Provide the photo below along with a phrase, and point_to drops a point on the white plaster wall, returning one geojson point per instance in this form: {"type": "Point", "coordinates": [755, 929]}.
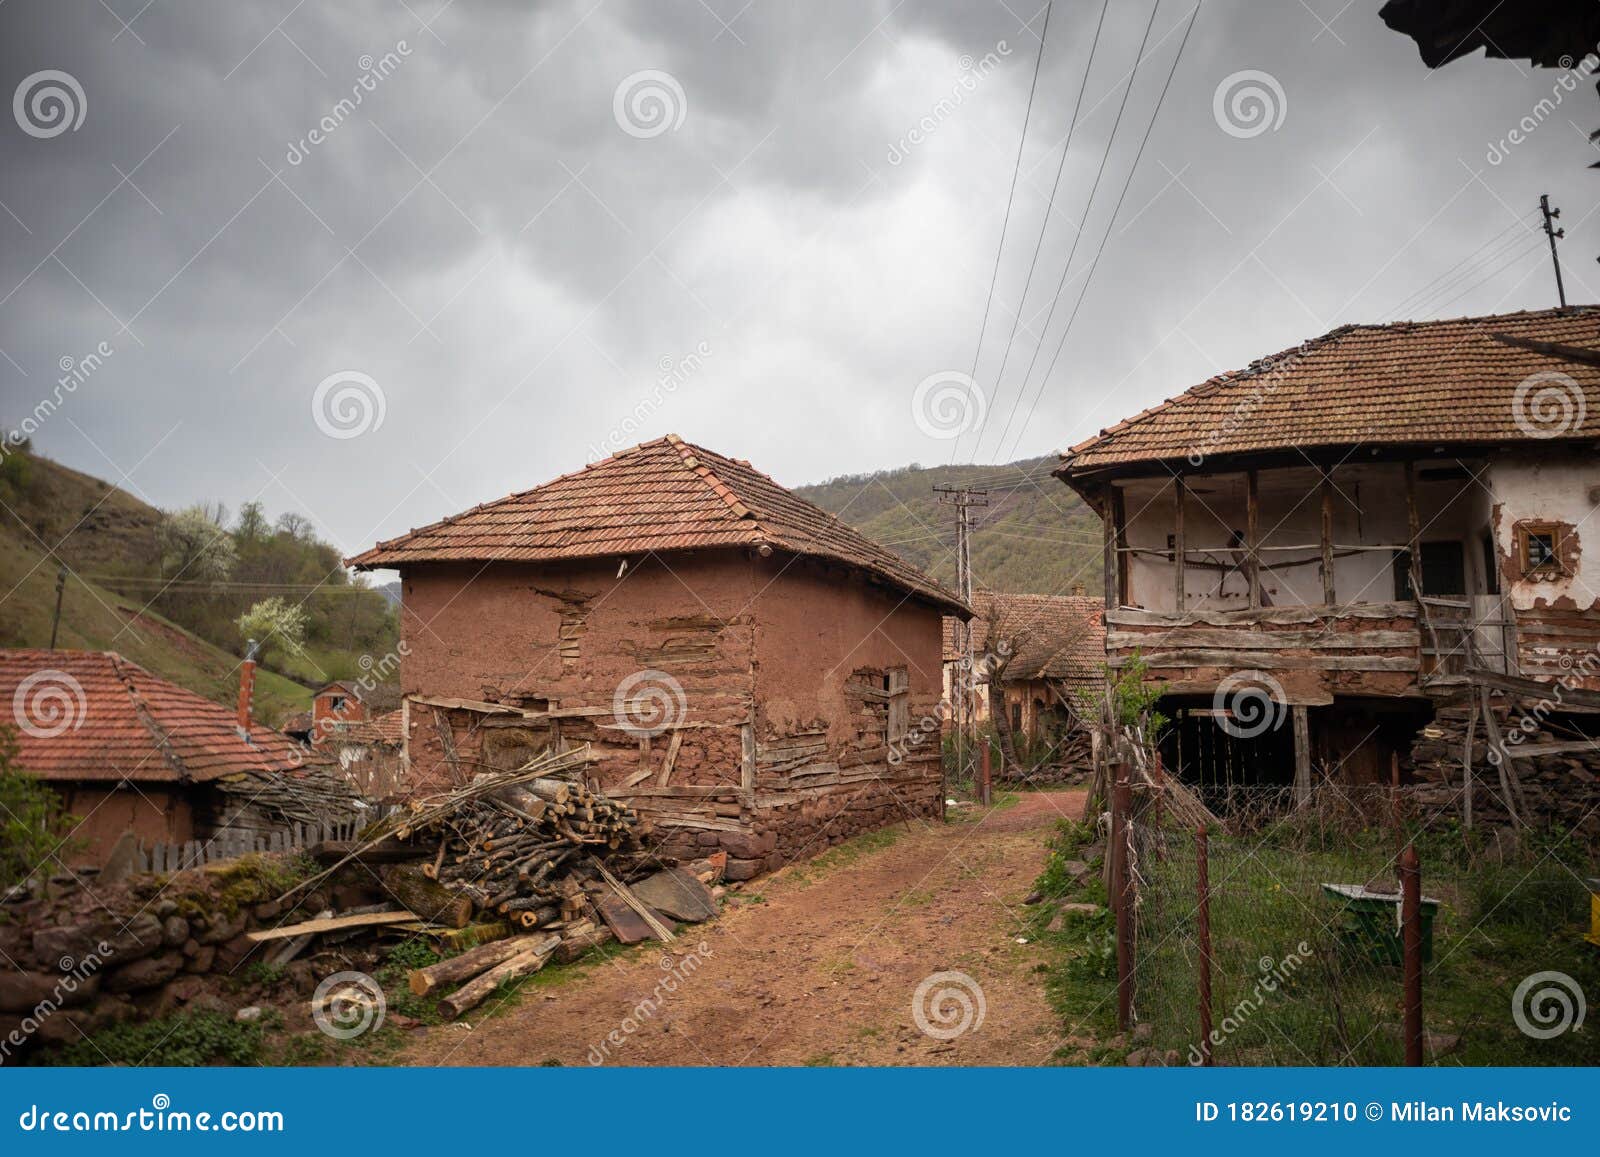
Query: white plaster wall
{"type": "Point", "coordinates": [1556, 484]}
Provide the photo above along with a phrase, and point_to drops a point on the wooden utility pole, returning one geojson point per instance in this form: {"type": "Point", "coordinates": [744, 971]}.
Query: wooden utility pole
{"type": "Point", "coordinates": [1553, 234]}
{"type": "Point", "coordinates": [61, 586]}
{"type": "Point", "coordinates": [963, 498]}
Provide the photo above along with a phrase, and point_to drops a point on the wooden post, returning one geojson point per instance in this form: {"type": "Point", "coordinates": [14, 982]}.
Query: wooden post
{"type": "Point", "coordinates": [1328, 595]}
{"type": "Point", "coordinates": [1252, 530]}
{"type": "Point", "coordinates": [1411, 938]}
{"type": "Point", "coordinates": [1110, 562]}
{"type": "Point", "coordinates": [985, 773]}
{"type": "Point", "coordinates": [1466, 767]}
{"type": "Point", "coordinates": [1202, 859]}
{"type": "Point", "coordinates": [1302, 756]}
{"type": "Point", "coordinates": [1122, 892]}
{"type": "Point", "coordinates": [1414, 521]}
{"type": "Point", "coordinates": [1179, 554]}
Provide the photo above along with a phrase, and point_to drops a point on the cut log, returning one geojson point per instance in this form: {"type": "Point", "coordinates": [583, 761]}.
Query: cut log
{"type": "Point", "coordinates": [429, 899]}
{"type": "Point", "coordinates": [476, 990]}
{"type": "Point", "coordinates": [470, 963]}
{"type": "Point", "coordinates": [575, 944]}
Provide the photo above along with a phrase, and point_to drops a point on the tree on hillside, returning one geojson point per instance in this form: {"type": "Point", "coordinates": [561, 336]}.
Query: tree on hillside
{"type": "Point", "coordinates": [194, 545]}
{"type": "Point", "coordinates": [252, 525]}
{"type": "Point", "coordinates": [276, 625]}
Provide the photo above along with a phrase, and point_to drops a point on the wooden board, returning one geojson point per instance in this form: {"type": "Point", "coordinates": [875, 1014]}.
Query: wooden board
{"type": "Point", "coordinates": [625, 924]}
{"type": "Point", "coordinates": [333, 924]}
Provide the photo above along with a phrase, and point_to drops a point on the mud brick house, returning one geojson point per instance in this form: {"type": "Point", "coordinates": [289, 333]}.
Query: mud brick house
{"type": "Point", "coordinates": [1375, 544]}
{"type": "Point", "coordinates": [1058, 655]}
{"type": "Point", "coordinates": [739, 659]}
{"type": "Point", "coordinates": [130, 752]}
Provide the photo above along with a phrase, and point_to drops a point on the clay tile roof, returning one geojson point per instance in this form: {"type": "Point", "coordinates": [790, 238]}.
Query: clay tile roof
{"type": "Point", "coordinates": [664, 495]}
{"type": "Point", "coordinates": [93, 716]}
{"type": "Point", "coordinates": [1433, 382]}
{"type": "Point", "coordinates": [385, 729]}
{"type": "Point", "coordinates": [1058, 636]}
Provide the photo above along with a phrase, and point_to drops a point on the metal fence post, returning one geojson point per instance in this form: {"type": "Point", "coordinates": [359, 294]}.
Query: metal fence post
{"type": "Point", "coordinates": [984, 776]}
{"type": "Point", "coordinates": [1122, 892]}
{"type": "Point", "coordinates": [1203, 926]}
{"type": "Point", "coordinates": [1411, 933]}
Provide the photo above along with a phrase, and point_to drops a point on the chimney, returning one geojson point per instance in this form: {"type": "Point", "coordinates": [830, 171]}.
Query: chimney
{"type": "Point", "coordinates": [1077, 588]}
{"type": "Point", "coordinates": [247, 685]}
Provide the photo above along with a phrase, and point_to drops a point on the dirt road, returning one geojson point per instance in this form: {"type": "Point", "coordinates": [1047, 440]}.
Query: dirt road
{"type": "Point", "coordinates": [816, 965]}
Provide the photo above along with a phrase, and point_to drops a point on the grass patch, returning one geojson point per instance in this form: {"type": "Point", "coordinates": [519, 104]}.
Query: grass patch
{"type": "Point", "coordinates": [844, 854]}
{"type": "Point", "coordinates": [186, 1040]}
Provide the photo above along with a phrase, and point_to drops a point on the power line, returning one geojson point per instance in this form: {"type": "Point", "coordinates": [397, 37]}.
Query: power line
{"type": "Point", "coordinates": [1005, 223]}
{"type": "Point", "coordinates": [1475, 277]}
{"type": "Point", "coordinates": [1044, 225]}
{"type": "Point", "coordinates": [1115, 212]}
{"type": "Point", "coordinates": [1066, 269]}
{"type": "Point", "coordinates": [1424, 292]}
{"type": "Point", "coordinates": [1534, 248]}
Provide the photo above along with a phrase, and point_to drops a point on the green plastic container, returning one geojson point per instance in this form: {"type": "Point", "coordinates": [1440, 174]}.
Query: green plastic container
{"type": "Point", "coordinates": [1370, 925]}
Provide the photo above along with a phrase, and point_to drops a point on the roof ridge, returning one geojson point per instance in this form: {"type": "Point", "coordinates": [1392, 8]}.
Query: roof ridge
{"type": "Point", "coordinates": [690, 454]}
{"type": "Point", "coordinates": [147, 717]}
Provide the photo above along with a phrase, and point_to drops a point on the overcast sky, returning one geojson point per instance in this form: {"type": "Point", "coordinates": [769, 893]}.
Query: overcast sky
{"type": "Point", "coordinates": [497, 249]}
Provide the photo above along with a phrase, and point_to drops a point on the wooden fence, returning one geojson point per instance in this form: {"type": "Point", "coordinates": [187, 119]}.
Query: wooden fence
{"type": "Point", "coordinates": [232, 843]}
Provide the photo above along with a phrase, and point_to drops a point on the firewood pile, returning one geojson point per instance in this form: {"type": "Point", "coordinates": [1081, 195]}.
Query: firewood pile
{"type": "Point", "coordinates": [528, 866]}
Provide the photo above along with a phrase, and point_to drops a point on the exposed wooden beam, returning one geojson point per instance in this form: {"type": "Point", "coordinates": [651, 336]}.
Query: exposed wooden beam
{"type": "Point", "coordinates": [1414, 525]}
{"type": "Point", "coordinates": [1252, 531]}
{"type": "Point", "coordinates": [1302, 754]}
{"type": "Point", "coordinates": [1179, 555]}
{"type": "Point", "coordinates": [1328, 592]}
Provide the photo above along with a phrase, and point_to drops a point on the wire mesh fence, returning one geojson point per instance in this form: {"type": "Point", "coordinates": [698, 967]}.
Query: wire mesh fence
{"type": "Point", "coordinates": [1306, 939]}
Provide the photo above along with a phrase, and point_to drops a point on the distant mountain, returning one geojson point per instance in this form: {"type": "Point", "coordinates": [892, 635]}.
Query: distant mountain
{"type": "Point", "coordinates": [1035, 537]}
{"type": "Point", "coordinates": [390, 591]}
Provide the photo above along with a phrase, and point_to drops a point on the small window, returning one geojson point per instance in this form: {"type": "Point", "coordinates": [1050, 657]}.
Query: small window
{"type": "Point", "coordinates": [337, 704]}
{"type": "Point", "coordinates": [1016, 716]}
{"type": "Point", "coordinates": [1539, 549]}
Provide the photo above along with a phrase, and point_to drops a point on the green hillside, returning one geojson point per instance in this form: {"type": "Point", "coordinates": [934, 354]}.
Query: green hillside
{"type": "Point", "coordinates": [124, 595]}
{"type": "Point", "coordinates": [1035, 537]}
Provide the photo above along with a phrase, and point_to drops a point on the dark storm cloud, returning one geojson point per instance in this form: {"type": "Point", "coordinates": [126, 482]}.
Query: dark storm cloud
{"type": "Point", "coordinates": [483, 239]}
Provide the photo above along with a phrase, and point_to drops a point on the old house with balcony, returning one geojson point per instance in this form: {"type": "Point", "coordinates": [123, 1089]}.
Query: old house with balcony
{"type": "Point", "coordinates": [1370, 552]}
{"type": "Point", "coordinates": [1059, 652]}
{"type": "Point", "coordinates": [751, 672]}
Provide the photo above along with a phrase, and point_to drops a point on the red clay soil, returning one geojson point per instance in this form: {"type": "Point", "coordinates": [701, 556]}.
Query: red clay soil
{"type": "Point", "coordinates": [815, 964]}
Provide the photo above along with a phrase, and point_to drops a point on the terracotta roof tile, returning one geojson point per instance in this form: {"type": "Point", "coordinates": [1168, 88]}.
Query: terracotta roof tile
{"type": "Point", "coordinates": [664, 495]}
{"type": "Point", "coordinates": [93, 716]}
{"type": "Point", "coordinates": [1059, 636]}
{"type": "Point", "coordinates": [1434, 382]}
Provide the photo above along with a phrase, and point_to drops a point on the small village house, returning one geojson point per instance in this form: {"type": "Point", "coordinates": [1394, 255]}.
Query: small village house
{"type": "Point", "coordinates": [130, 753]}
{"type": "Point", "coordinates": [1372, 547]}
{"type": "Point", "coordinates": [1059, 658]}
{"type": "Point", "coordinates": [752, 673]}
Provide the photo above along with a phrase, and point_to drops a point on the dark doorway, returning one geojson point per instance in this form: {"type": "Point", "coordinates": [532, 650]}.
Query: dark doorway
{"type": "Point", "coordinates": [1444, 570]}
